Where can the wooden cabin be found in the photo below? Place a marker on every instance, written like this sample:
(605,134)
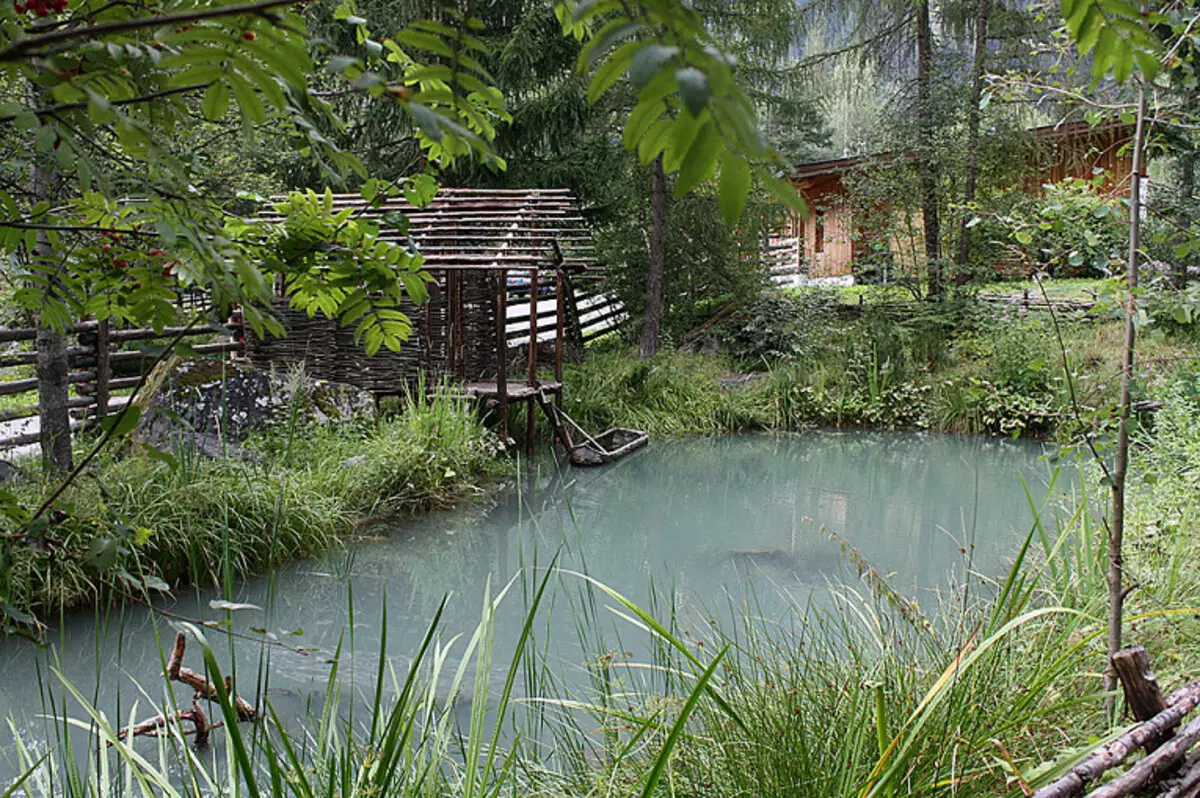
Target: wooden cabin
(832,239)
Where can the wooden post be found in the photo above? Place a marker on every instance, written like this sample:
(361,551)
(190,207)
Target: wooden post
(103,370)
(460,355)
(502,354)
(1142,694)
(450,323)
(559,333)
(530,417)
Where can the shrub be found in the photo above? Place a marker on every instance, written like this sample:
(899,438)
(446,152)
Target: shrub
(776,326)
(1072,230)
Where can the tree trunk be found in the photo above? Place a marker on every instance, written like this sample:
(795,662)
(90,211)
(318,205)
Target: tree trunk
(1116,532)
(925,154)
(652,323)
(1187,193)
(53,414)
(52,367)
(974,113)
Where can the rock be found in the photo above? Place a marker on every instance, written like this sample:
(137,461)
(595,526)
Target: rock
(8,472)
(355,461)
(211,407)
(731,381)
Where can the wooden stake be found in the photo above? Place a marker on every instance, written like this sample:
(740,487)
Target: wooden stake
(502,355)
(1142,694)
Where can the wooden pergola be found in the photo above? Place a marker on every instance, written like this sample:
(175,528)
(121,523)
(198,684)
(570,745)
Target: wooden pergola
(476,243)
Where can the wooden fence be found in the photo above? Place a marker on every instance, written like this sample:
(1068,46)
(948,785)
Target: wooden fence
(596,312)
(99,366)
(1171,765)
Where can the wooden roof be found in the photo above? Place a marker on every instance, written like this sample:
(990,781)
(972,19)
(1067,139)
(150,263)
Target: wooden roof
(1063,131)
(469,228)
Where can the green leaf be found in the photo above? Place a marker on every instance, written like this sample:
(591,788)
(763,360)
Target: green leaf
(427,119)
(248,100)
(1149,65)
(216,101)
(700,162)
(124,422)
(679,143)
(611,70)
(693,89)
(648,61)
(785,191)
(735,186)
(101,554)
(605,38)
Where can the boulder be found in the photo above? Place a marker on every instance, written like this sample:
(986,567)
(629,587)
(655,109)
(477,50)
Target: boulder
(211,406)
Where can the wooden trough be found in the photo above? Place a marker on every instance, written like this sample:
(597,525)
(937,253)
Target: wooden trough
(1170,768)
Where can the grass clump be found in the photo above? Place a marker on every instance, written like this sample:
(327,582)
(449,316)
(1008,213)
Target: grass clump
(803,360)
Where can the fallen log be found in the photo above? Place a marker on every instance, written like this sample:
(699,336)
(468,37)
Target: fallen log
(1154,766)
(1076,780)
(1187,784)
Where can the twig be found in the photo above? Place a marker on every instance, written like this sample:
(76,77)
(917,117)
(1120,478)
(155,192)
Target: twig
(196,716)
(23,47)
(141,98)
(1076,412)
(203,687)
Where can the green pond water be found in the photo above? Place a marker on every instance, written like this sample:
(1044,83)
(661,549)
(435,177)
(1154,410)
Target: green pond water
(712,523)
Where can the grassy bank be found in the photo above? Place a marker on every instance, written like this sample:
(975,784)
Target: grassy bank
(193,520)
(791,363)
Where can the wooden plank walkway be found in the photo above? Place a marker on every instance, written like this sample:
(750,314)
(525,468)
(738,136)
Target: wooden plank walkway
(515,390)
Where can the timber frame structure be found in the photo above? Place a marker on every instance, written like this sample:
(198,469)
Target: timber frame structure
(485,249)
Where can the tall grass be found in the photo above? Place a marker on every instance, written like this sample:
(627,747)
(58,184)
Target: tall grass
(298,491)
(852,696)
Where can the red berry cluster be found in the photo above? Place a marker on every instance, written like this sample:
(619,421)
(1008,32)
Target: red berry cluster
(168,266)
(41,8)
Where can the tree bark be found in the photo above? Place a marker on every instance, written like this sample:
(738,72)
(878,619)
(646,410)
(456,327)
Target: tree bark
(53,368)
(53,414)
(974,113)
(1116,532)
(652,322)
(926,171)
(1187,192)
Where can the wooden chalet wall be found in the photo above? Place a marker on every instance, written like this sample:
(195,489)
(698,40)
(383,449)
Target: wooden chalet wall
(829,242)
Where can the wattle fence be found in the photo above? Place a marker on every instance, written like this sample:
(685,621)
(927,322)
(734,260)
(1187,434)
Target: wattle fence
(104,362)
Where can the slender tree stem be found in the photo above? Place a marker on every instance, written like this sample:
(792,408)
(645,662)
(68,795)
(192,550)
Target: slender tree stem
(925,150)
(1116,533)
(974,113)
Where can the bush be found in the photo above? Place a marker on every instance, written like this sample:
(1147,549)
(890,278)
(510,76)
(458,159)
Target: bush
(1073,230)
(195,520)
(800,325)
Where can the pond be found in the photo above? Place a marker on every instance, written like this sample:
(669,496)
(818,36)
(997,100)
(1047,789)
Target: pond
(711,523)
